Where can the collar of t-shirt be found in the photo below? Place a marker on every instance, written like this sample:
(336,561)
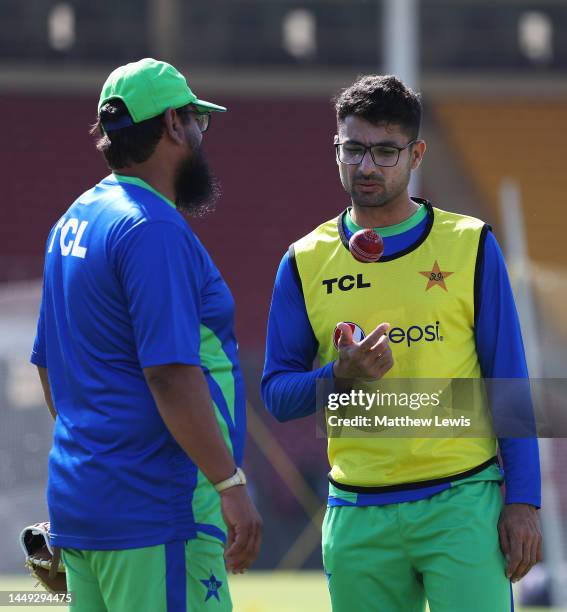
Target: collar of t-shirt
(397,237)
(134,180)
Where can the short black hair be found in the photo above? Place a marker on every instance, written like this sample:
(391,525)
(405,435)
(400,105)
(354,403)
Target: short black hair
(379,100)
(127,145)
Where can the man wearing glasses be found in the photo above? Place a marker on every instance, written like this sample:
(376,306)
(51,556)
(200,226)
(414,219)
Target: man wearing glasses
(408,519)
(139,365)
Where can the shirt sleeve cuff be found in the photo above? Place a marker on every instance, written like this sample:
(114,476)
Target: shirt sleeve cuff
(327,371)
(517,498)
(38,360)
(151,362)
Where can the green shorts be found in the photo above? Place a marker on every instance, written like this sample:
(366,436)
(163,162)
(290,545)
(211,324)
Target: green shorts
(443,549)
(176,577)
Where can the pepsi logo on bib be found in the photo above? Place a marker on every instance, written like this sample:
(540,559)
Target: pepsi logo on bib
(357,333)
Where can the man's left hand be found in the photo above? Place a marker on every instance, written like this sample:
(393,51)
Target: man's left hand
(520,539)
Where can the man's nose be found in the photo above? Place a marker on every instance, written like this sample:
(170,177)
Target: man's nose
(367,165)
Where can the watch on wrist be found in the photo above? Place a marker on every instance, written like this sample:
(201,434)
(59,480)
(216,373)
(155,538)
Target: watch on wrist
(238,478)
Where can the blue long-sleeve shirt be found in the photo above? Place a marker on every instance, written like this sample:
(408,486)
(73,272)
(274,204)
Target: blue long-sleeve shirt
(289,380)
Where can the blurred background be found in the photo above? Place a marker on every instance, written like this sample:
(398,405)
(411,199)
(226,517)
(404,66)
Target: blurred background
(493,75)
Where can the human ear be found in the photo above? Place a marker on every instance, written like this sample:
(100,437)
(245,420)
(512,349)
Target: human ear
(418,151)
(174,126)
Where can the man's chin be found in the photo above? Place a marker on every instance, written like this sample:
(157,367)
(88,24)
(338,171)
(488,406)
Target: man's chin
(369,202)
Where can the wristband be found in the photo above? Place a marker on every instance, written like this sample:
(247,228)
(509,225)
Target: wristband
(238,478)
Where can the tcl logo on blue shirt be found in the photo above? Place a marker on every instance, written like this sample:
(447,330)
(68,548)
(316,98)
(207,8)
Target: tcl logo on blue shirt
(70,237)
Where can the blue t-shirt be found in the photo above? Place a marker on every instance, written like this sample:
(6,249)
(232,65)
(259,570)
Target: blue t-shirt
(127,285)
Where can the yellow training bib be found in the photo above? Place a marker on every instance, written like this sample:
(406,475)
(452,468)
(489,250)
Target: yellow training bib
(427,294)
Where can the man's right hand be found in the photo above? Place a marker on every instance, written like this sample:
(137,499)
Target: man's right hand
(369,359)
(244,528)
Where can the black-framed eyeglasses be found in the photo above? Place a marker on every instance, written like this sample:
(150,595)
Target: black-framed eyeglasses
(352,153)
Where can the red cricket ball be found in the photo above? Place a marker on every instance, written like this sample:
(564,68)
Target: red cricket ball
(366,245)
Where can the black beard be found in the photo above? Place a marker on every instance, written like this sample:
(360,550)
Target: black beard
(197,189)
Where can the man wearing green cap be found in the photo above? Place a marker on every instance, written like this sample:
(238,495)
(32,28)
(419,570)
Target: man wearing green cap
(139,364)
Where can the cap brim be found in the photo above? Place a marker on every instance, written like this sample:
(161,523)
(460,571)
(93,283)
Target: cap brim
(208,106)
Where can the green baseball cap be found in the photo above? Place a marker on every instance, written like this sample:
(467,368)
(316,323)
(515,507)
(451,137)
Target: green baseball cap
(149,87)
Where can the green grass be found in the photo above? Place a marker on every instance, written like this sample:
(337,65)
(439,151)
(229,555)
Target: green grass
(253,592)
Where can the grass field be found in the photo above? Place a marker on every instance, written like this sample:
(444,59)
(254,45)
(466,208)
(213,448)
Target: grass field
(253,592)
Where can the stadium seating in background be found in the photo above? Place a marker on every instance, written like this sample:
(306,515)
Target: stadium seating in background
(523,140)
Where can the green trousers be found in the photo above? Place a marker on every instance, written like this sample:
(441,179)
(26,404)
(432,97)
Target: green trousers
(443,549)
(176,577)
